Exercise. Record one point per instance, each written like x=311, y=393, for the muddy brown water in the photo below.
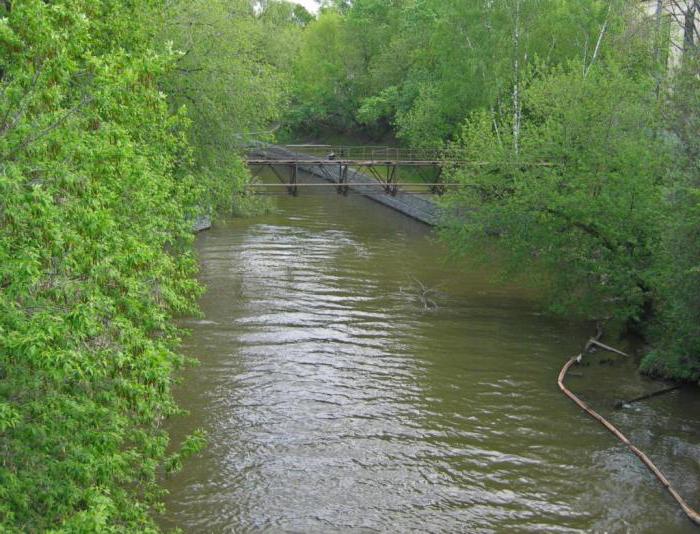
x=352, y=381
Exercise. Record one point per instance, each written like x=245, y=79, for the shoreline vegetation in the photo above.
x=120, y=121
x=608, y=93
x=117, y=125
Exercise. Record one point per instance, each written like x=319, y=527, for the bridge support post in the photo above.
x=438, y=188
x=391, y=179
x=293, y=171
x=343, y=180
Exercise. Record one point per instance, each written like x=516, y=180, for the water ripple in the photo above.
x=336, y=402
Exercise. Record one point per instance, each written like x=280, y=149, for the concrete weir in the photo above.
x=411, y=204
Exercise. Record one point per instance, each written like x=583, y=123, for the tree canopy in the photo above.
x=121, y=122
x=585, y=113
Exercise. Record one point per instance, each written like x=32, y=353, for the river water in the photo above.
x=352, y=381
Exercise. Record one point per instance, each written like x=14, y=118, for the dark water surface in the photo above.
x=339, y=398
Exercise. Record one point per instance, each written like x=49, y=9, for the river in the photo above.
x=353, y=381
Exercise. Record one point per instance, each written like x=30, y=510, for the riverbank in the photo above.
x=201, y=223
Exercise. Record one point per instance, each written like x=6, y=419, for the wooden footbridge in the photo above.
x=333, y=163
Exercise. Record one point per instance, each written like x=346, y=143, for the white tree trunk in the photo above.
x=517, y=104
x=600, y=40
x=657, y=46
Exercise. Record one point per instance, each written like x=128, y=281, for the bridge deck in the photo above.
x=351, y=162
x=339, y=166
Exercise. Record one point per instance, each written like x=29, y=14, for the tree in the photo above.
x=301, y=15
x=231, y=77
x=323, y=91
x=421, y=67
x=577, y=209
x=677, y=335
x=342, y=6
x=96, y=207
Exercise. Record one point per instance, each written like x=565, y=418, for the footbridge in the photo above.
x=372, y=171
x=335, y=163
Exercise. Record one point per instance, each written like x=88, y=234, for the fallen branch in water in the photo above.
x=622, y=403
x=594, y=341
x=423, y=292
x=690, y=512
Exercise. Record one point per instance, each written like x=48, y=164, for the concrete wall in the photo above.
x=201, y=223
x=413, y=205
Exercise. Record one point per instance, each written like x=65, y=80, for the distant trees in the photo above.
x=418, y=67
x=323, y=88
x=587, y=114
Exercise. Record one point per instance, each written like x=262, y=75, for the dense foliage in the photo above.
x=677, y=331
x=120, y=122
x=589, y=215
x=610, y=224
x=94, y=262
x=231, y=73
x=101, y=177
x=585, y=115
x=419, y=66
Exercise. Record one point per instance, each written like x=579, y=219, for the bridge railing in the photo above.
x=368, y=153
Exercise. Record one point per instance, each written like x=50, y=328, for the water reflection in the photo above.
x=335, y=400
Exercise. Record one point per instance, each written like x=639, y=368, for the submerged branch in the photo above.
x=623, y=403
x=690, y=512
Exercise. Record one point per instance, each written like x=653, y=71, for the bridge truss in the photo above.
x=381, y=163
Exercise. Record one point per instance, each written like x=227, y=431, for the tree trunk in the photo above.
x=657, y=46
x=517, y=104
x=689, y=27
x=689, y=30
x=600, y=39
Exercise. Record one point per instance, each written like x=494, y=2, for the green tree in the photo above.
x=677, y=335
x=96, y=206
x=230, y=77
x=577, y=208
x=422, y=66
x=324, y=92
